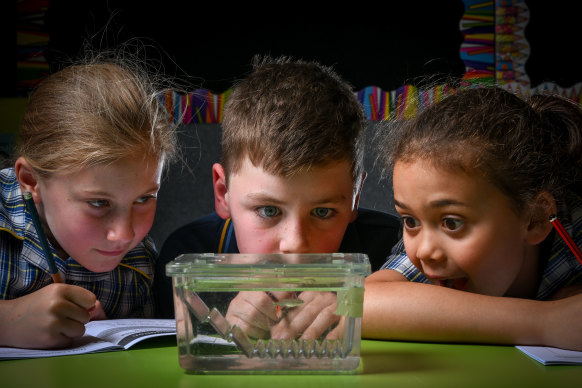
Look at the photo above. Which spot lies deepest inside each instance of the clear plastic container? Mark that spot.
(269, 313)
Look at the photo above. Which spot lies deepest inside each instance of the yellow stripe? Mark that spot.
(224, 229)
(137, 270)
(12, 233)
(417, 275)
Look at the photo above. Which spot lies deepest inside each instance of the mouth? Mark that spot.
(456, 284)
(113, 253)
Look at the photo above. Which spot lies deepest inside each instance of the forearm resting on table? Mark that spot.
(6, 321)
(401, 310)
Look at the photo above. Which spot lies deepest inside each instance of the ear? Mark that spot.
(356, 203)
(220, 191)
(27, 178)
(539, 226)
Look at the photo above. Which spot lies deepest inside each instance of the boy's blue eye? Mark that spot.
(98, 203)
(452, 224)
(268, 211)
(146, 198)
(322, 212)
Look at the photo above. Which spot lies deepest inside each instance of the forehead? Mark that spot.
(427, 174)
(420, 184)
(124, 174)
(330, 179)
(337, 167)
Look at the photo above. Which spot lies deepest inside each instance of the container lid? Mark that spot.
(269, 266)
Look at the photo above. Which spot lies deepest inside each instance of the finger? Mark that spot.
(263, 302)
(309, 320)
(293, 323)
(66, 309)
(72, 302)
(280, 295)
(71, 328)
(323, 322)
(256, 308)
(335, 333)
(338, 330)
(247, 327)
(313, 303)
(97, 312)
(65, 319)
(80, 296)
(243, 312)
(308, 324)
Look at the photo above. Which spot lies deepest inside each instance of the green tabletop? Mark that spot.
(154, 363)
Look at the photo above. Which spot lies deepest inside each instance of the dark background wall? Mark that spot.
(384, 44)
(214, 42)
(210, 45)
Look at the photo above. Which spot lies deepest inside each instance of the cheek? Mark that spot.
(489, 248)
(256, 241)
(324, 236)
(497, 265)
(78, 237)
(252, 234)
(143, 223)
(410, 248)
(471, 260)
(327, 242)
(491, 261)
(75, 229)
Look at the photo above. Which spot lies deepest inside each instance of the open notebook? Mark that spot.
(552, 356)
(102, 336)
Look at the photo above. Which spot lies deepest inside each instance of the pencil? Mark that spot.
(43, 241)
(566, 237)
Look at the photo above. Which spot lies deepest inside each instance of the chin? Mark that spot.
(104, 266)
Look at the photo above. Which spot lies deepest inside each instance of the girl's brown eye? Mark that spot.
(452, 223)
(410, 222)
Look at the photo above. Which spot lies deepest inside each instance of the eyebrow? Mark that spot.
(266, 197)
(434, 204)
(99, 193)
(262, 197)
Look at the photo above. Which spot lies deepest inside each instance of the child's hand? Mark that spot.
(255, 312)
(314, 317)
(96, 312)
(48, 318)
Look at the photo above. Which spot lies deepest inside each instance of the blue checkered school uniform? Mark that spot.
(561, 267)
(125, 292)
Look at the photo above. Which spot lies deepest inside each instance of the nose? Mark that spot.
(428, 248)
(294, 236)
(121, 228)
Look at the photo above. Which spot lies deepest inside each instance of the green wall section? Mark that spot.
(11, 111)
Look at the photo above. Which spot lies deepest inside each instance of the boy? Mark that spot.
(290, 176)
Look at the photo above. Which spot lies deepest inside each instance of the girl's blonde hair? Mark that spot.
(97, 112)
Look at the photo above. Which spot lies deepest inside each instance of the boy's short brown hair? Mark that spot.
(288, 115)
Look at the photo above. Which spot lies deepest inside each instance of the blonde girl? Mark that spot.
(93, 143)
